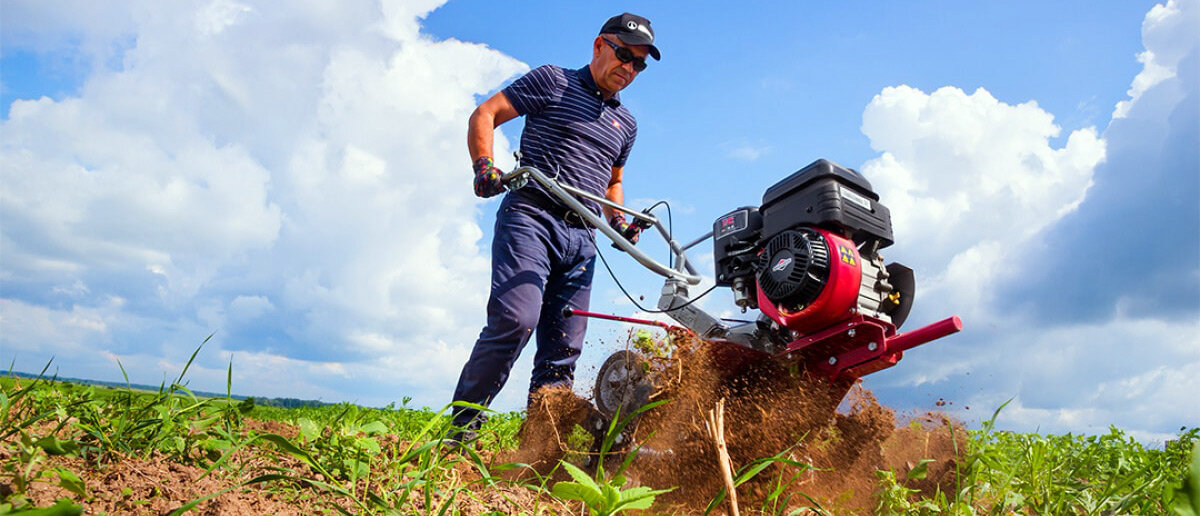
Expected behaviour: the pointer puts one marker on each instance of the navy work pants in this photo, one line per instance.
(540, 265)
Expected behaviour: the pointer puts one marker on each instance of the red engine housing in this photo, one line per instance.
(836, 340)
(837, 300)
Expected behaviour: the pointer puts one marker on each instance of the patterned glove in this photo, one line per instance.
(627, 230)
(487, 178)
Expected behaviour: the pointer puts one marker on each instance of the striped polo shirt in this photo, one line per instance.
(571, 128)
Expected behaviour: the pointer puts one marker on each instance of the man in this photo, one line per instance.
(542, 253)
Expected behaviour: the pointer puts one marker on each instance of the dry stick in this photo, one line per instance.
(716, 429)
(542, 404)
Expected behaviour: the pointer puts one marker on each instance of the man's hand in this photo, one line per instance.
(631, 232)
(487, 178)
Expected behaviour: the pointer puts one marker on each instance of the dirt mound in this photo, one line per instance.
(772, 410)
(545, 434)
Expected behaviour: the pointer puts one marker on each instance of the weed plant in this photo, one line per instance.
(1014, 473)
(603, 494)
(355, 460)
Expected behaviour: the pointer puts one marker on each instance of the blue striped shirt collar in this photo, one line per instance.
(585, 75)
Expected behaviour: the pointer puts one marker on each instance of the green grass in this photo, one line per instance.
(1007, 473)
(374, 461)
(358, 460)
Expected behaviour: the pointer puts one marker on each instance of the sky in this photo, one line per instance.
(292, 179)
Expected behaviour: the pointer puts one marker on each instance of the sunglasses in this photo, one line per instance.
(626, 56)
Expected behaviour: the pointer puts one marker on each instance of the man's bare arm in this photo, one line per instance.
(615, 191)
(483, 123)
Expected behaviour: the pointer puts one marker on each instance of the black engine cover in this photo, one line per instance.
(824, 194)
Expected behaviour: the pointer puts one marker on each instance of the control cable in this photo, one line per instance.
(613, 275)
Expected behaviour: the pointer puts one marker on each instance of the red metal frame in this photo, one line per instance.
(668, 327)
(864, 345)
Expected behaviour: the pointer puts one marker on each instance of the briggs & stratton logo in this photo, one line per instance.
(782, 264)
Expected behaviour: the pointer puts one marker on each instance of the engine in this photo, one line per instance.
(808, 257)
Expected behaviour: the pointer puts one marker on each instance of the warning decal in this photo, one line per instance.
(847, 255)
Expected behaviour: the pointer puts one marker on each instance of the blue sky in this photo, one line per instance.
(293, 179)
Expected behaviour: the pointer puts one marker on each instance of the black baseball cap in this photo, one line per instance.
(632, 29)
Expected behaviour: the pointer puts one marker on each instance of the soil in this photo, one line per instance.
(159, 486)
(771, 410)
(835, 439)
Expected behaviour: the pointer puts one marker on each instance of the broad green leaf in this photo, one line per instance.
(63, 507)
(367, 444)
(216, 444)
(920, 471)
(1187, 497)
(575, 491)
(53, 446)
(639, 498)
(70, 481)
(611, 497)
(309, 429)
(287, 447)
(360, 468)
(374, 428)
(580, 476)
(202, 425)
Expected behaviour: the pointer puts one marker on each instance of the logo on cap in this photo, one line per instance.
(632, 25)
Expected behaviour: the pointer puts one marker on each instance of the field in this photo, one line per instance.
(71, 449)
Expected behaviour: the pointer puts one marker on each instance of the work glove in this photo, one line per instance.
(627, 230)
(487, 178)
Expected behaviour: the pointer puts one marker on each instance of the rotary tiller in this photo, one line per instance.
(807, 260)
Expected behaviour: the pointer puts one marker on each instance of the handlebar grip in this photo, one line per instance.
(515, 180)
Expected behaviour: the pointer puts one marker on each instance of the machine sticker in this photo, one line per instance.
(736, 221)
(847, 255)
(782, 264)
(855, 197)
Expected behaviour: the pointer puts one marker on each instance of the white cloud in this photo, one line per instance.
(30, 329)
(744, 150)
(1029, 244)
(248, 308)
(291, 176)
(969, 180)
(1164, 28)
